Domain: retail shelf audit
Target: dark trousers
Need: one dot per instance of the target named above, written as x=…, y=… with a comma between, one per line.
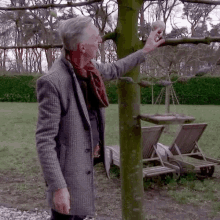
x=58, y=216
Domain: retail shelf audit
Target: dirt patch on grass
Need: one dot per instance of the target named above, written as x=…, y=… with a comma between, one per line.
x=27, y=193
x=22, y=192
x=157, y=202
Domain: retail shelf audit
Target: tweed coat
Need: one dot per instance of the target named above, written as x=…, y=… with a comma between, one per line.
x=63, y=134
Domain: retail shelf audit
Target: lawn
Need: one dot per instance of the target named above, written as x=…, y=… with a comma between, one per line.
x=21, y=181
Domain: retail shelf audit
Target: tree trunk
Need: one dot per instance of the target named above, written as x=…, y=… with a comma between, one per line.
x=27, y=54
x=39, y=63
x=152, y=94
x=49, y=57
x=102, y=52
x=4, y=60
x=129, y=107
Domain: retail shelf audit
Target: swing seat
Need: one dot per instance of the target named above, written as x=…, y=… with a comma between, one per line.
x=150, y=137
x=186, y=153
x=167, y=119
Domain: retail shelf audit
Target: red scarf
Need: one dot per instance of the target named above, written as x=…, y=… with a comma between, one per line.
x=92, y=75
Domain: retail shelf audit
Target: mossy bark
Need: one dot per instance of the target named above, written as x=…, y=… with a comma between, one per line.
x=129, y=107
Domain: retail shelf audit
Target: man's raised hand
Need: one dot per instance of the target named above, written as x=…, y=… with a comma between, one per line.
x=154, y=40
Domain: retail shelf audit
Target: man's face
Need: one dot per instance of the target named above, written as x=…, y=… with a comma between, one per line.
x=91, y=41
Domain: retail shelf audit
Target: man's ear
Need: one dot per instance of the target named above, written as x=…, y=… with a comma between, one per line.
x=81, y=47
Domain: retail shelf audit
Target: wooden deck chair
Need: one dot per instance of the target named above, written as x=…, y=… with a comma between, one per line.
x=186, y=153
x=150, y=137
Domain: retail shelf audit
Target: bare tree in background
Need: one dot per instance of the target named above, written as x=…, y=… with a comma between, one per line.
x=197, y=14
x=5, y=38
x=101, y=15
x=31, y=28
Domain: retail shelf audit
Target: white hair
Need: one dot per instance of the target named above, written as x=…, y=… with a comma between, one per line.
x=72, y=31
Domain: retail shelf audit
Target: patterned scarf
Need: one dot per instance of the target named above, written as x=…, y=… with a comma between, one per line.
x=91, y=75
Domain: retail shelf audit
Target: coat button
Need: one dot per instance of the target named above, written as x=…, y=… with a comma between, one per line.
x=88, y=172
x=87, y=150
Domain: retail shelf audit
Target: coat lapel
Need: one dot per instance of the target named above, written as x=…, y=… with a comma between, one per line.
x=80, y=97
x=78, y=94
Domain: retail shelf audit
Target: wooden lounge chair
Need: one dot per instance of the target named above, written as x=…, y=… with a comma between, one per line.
x=186, y=153
x=150, y=137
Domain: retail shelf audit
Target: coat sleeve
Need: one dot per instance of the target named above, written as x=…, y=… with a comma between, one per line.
x=110, y=71
x=49, y=114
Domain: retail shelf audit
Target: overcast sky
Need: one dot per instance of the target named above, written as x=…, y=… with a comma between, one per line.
x=4, y=2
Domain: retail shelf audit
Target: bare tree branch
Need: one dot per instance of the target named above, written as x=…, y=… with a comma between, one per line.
x=208, y=2
x=192, y=40
x=69, y=4
x=218, y=62
x=109, y=36
x=43, y=46
x=206, y=40
x=112, y=35
x=151, y=0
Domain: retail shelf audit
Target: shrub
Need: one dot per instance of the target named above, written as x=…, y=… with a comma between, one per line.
x=17, y=89
x=196, y=91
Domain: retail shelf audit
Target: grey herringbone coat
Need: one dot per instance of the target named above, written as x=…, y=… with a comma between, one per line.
x=63, y=135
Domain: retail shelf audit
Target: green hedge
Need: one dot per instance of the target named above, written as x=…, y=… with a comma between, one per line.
x=17, y=88
x=197, y=91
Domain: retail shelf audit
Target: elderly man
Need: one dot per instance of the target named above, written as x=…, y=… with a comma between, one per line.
x=70, y=128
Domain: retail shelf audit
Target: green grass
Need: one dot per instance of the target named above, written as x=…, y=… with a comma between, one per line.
x=18, y=123
x=20, y=173
x=21, y=180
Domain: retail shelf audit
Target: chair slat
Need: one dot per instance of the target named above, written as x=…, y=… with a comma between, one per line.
x=157, y=170
x=150, y=137
x=187, y=137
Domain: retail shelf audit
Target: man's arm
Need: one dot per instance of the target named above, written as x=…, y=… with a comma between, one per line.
x=47, y=129
x=110, y=71
x=114, y=70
